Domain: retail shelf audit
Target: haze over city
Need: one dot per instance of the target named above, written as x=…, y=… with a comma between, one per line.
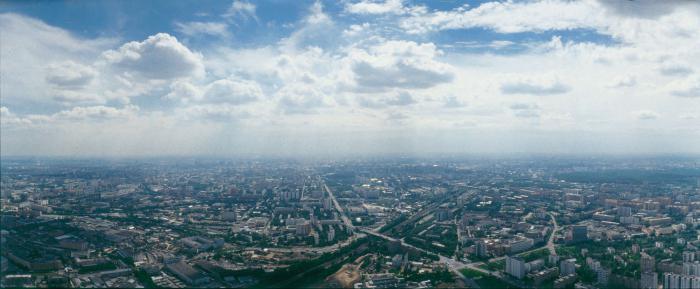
x=305, y=78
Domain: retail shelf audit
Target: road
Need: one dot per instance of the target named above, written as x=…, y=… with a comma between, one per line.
x=325, y=249
x=452, y=264
x=550, y=242
x=343, y=217
x=305, y=249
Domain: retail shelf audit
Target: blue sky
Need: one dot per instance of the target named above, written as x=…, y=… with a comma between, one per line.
x=349, y=77
x=135, y=20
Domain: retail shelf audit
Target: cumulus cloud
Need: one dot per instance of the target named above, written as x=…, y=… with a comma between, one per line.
x=453, y=102
x=99, y=112
x=509, y=17
x=525, y=110
x=344, y=73
x=401, y=98
x=75, y=114
x=313, y=31
x=300, y=99
x=604, y=17
x=69, y=74
x=241, y=9
x=675, y=69
x=231, y=90
x=689, y=87
x=650, y=9
x=211, y=112
x=7, y=118
x=38, y=59
x=375, y=7
x=160, y=56
x=625, y=81
x=197, y=28
x=355, y=29
x=646, y=115
x=534, y=86
x=398, y=64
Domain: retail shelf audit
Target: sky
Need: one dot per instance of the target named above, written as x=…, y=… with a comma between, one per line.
x=332, y=78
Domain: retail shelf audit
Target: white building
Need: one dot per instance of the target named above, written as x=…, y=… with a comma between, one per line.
x=649, y=280
x=515, y=266
x=677, y=281
x=567, y=267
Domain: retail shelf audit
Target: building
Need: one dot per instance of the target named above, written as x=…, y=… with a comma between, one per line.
x=624, y=211
x=579, y=233
x=187, y=273
x=535, y=265
x=229, y=216
x=521, y=245
x=327, y=204
x=567, y=267
x=649, y=280
x=73, y=244
x=481, y=249
x=691, y=269
x=199, y=244
x=544, y=275
x=603, y=276
x=331, y=234
x=688, y=256
x=515, y=266
x=552, y=260
x=386, y=280
x=677, y=281
x=443, y=213
x=647, y=263
x=565, y=281
x=303, y=229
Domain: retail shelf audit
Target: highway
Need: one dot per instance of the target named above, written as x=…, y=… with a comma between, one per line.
x=452, y=264
x=550, y=242
x=343, y=217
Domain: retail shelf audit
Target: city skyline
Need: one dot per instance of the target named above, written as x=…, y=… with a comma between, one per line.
x=306, y=78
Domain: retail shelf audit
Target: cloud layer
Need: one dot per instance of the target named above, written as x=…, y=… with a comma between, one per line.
x=374, y=77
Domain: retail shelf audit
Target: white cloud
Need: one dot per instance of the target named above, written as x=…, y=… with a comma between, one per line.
x=233, y=91
x=313, y=31
x=160, y=56
x=376, y=7
x=211, y=112
x=400, y=98
x=197, y=28
x=677, y=21
x=525, y=110
x=75, y=114
x=646, y=115
x=544, y=85
x=689, y=87
x=675, y=69
x=7, y=118
x=99, y=112
x=510, y=17
x=300, y=99
x=398, y=64
x=334, y=77
x=625, y=81
x=355, y=29
x=39, y=59
x=230, y=90
x=241, y=9
x=70, y=74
